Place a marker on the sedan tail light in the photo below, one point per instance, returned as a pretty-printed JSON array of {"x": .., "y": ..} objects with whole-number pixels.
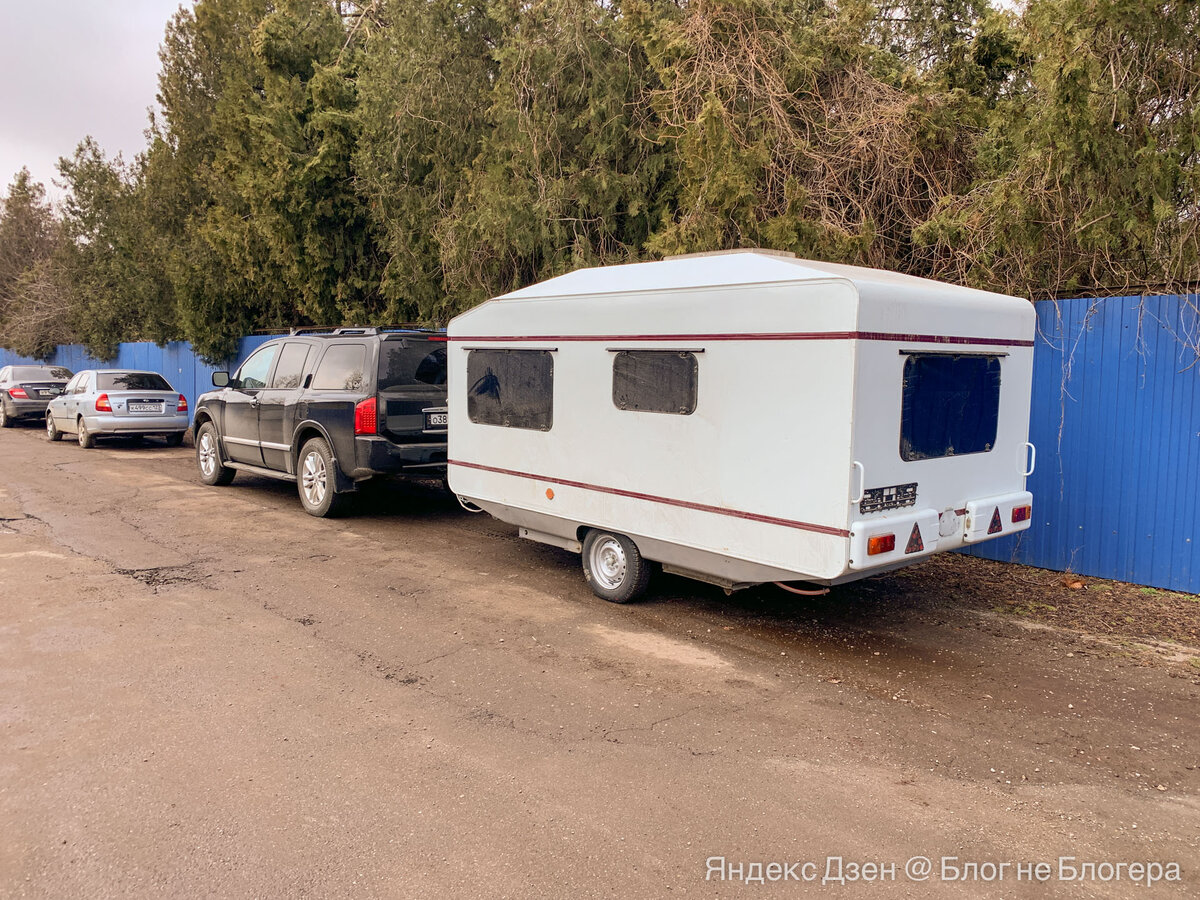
[
  {"x": 366, "y": 421},
  {"x": 18, "y": 393},
  {"x": 183, "y": 407},
  {"x": 102, "y": 404}
]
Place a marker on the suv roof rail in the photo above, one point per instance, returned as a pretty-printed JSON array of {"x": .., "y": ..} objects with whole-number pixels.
[{"x": 409, "y": 328}]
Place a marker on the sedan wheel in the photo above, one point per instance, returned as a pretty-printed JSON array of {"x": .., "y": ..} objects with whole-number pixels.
[
  {"x": 5, "y": 421},
  {"x": 52, "y": 431},
  {"x": 86, "y": 441}
]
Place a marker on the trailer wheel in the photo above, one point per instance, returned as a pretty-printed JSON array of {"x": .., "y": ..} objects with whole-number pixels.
[{"x": 613, "y": 567}]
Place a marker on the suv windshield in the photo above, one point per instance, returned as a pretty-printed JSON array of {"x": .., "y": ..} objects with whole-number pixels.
[
  {"x": 131, "y": 381},
  {"x": 410, "y": 361},
  {"x": 40, "y": 373}
]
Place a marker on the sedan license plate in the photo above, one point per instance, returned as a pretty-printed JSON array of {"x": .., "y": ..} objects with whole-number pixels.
[
  {"x": 146, "y": 407},
  {"x": 435, "y": 420},
  {"x": 47, "y": 393}
]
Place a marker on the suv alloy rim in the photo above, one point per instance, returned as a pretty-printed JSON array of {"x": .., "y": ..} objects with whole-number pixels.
[
  {"x": 208, "y": 454},
  {"x": 313, "y": 478}
]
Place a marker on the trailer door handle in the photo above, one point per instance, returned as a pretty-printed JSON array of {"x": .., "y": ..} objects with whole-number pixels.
[
  {"x": 1030, "y": 459},
  {"x": 862, "y": 481}
]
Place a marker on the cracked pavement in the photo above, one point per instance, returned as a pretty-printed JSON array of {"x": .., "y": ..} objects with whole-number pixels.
[{"x": 204, "y": 691}]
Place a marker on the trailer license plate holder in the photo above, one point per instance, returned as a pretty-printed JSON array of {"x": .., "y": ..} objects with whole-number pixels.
[{"x": 896, "y": 496}]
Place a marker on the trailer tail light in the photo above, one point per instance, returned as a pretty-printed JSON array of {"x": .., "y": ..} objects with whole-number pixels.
[
  {"x": 102, "y": 404},
  {"x": 18, "y": 393},
  {"x": 1021, "y": 513},
  {"x": 366, "y": 420},
  {"x": 183, "y": 407},
  {"x": 881, "y": 543}
]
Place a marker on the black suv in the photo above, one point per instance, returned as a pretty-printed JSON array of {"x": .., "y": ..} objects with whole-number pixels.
[{"x": 328, "y": 411}]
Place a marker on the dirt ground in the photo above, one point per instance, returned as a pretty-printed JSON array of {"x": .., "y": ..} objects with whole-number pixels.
[{"x": 203, "y": 691}]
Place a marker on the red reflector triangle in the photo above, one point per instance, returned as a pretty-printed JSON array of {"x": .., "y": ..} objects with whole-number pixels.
[
  {"x": 996, "y": 527},
  {"x": 915, "y": 544}
]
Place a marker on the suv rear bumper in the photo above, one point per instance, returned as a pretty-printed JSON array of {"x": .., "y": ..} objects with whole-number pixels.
[{"x": 379, "y": 456}]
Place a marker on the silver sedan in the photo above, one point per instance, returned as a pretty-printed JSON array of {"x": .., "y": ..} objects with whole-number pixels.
[{"x": 118, "y": 402}]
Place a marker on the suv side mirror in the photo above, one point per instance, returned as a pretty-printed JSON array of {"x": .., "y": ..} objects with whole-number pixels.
[{"x": 220, "y": 379}]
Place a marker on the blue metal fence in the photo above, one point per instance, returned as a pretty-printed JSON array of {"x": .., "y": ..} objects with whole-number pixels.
[
  {"x": 175, "y": 361},
  {"x": 1116, "y": 420}
]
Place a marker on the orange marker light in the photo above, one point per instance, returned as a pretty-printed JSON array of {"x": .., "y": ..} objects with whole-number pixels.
[
  {"x": 549, "y": 493},
  {"x": 881, "y": 543},
  {"x": 1021, "y": 513}
]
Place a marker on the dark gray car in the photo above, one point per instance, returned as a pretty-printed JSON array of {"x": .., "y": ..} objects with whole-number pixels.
[{"x": 25, "y": 391}]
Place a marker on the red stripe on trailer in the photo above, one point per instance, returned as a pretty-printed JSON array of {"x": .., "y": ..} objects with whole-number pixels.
[
  {"x": 651, "y": 498},
  {"x": 755, "y": 336}
]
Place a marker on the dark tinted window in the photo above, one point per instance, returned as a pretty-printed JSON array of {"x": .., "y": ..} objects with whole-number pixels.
[
  {"x": 131, "y": 381},
  {"x": 40, "y": 373},
  {"x": 291, "y": 366},
  {"x": 950, "y": 406},
  {"x": 660, "y": 381},
  {"x": 341, "y": 369},
  {"x": 411, "y": 361},
  {"x": 514, "y": 388}
]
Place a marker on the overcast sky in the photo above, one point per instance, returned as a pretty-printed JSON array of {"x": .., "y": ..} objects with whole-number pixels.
[{"x": 70, "y": 68}]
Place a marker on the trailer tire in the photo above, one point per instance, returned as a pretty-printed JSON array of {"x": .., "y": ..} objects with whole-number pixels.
[{"x": 613, "y": 566}]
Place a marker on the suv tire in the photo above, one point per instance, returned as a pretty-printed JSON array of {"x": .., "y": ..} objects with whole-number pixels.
[
  {"x": 316, "y": 479},
  {"x": 208, "y": 457}
]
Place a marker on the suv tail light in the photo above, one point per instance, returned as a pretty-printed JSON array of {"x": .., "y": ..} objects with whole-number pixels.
[
  {"x": 19, "y": 393},
  {"x": 102, "y": 404},
  {"x": 183, "y": 407},
  {"x": 366, "y": 420}
]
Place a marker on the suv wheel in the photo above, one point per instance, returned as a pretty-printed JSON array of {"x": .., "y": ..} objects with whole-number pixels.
[
  {"x": 613, "y": 567},
  {"x": 315, "y": 479},
  {"x": 208, "y": 457}
]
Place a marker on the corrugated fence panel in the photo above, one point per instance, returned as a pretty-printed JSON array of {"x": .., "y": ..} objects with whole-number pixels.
[
  {"x": 1115, "y": 417},
  {"x": 176, "y": 362},
  {"x": 1116, "y": 420}
]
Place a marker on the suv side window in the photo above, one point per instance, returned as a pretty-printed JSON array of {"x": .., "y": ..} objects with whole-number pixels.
[
  {"x": 342, "y": 368},
  {"x": 253, "y": 373},
  {"x": 291, "y": 366}
]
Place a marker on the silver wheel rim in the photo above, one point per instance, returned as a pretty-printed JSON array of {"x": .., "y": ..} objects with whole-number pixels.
[
  {"x": 50, "y": 426},
  {"x": 208, "y": 454},
  {"x": 608, "y": 562},
  {"x": 312, "y": 479},
  {"x": 82, "y": 433}
]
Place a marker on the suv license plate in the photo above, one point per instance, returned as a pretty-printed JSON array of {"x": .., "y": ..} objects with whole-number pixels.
[
  {"x": 146, "y": 407},
  {"x": 435, "y": 420}
]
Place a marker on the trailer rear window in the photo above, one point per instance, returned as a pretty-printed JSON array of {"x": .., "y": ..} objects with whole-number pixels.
[
  {"x": 951, "y": 405},
  {"x": 659, "y": 381},
  {"x": 512, "y": 388}
]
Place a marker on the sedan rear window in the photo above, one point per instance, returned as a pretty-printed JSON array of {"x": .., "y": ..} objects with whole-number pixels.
[
  {"x": 131, "y": 381},
  {"x": 40, "y": 373}
]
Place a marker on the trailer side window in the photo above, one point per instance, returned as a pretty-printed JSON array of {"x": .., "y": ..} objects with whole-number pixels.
[
  {"x": 660, "y": 381},
  {"x": 512, "y": 388},
  {"x": 951, "y": 405}
]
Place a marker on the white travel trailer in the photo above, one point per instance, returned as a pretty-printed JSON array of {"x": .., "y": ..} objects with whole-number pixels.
[{"x": 744, "y": 417}]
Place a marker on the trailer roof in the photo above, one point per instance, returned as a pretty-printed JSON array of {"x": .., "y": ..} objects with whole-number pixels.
[{"x": 727, "y": 269}]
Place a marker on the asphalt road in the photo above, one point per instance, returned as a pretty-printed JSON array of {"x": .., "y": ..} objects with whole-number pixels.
[{"x": 204, "y": 691}]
